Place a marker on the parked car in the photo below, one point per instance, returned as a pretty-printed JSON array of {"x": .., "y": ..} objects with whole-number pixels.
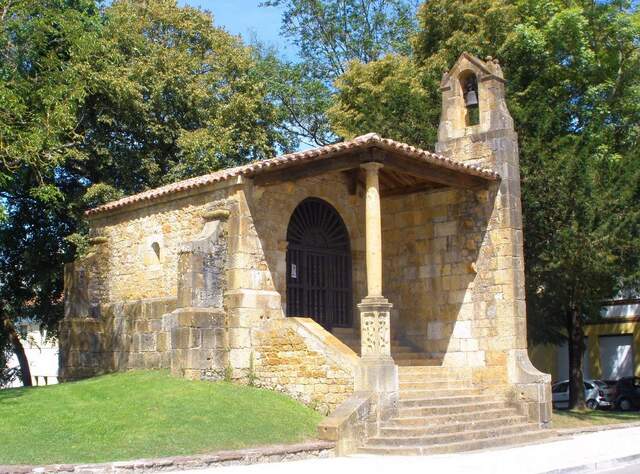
[
  {"x": 597, "y": 394},
  {"x": 627, "y": 393}
]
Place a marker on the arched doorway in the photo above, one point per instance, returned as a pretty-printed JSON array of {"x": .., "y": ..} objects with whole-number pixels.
[{"x": 319, "y": 265}]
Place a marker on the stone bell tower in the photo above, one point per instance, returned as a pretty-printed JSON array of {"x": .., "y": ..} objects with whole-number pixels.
[
  {"x": 476, "y": 127},
  {"x": 474, "y": 111}
]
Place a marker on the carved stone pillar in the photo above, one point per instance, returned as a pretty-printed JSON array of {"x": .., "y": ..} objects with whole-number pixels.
[{"x": 378, "y": 371}]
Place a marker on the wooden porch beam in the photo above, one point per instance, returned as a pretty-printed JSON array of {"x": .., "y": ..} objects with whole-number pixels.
[
  {"x": 428, "y": 172},
  {"x": 314, "y": 168},
  {"x": 410, "y": 189}
]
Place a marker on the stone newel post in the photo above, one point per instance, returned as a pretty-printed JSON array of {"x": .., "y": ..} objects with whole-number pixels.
[{"x": 379, "y": 372}]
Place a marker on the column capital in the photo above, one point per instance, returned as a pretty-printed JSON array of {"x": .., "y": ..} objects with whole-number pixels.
[{"x": 371, "y": 166}]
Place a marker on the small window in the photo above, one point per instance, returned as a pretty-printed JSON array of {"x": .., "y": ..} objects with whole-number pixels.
[{"x": 156, "y": 249}]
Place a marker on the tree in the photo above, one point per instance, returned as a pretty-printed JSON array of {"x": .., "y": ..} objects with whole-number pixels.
[
  {"x": 43, "y": 45},
  {"x": 329, "y": 35},
  {"x": 172, "y": 97},
  {"x": 389, "y": 97},
  {"x": 101, "y": 103},
  {"x": 572, "y": 71}
]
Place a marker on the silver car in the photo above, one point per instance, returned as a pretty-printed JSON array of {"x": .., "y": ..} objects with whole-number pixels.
[{"x": 596, "y": 393}]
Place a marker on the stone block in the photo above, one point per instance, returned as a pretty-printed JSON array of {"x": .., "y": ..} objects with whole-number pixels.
[
  {"x": 240, "y": 358},
  {"x": 462, "y": 330},
  {"x": 239, "y": 338}
]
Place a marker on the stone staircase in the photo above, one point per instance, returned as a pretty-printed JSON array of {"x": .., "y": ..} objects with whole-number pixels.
[
  {"x": 403, "y": 354},
  {"x": 441, "y": 412}
]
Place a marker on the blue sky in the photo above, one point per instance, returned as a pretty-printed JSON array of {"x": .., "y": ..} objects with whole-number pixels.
[{"x": 246, "y": 18}]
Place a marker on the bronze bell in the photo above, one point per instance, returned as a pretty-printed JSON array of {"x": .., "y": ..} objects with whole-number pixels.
[{"x": 471, "y": 98}]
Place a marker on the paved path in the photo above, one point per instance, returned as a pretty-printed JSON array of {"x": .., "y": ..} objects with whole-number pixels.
[{"x": 595, "y": 452}]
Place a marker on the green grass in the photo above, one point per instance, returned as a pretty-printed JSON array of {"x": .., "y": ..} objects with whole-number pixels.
[
  {"x": 143, "y": 414},
  {"x": 563, "y": 419}
]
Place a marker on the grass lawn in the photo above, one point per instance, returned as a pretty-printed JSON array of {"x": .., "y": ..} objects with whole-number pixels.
[
  {"x": 563, "y": 419},
  {"x": 143, "y": 414}
]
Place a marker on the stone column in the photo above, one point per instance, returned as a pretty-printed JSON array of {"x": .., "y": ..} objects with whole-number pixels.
[
  {"x": 378, "y": 371},
  {"x": 373, "y": 231}
]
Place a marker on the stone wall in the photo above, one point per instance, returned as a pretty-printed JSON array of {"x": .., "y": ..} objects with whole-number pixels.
[
  {"x": 298, "y": 357},
  {"x": 271, "y": 208},
  {"x": 138, "y": 250},
  {"x": 131, "y": 335},
  {"x": 493, "y": 144},
  {"x": 256, "y": 274},
  {"x": 432, "y": 243},
  {"x": 198, "y": 285}
]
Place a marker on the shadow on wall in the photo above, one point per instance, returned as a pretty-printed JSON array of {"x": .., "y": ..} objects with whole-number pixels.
[
  {"x": 433, "y": 246},
  {"x": 272, "y": 208}
]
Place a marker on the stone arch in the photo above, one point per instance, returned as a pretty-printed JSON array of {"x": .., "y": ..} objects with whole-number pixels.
[{"x": 319, "y": 266}]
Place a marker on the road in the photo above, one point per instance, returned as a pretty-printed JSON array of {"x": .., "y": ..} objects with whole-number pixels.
[{"x": 592, "y": 452}]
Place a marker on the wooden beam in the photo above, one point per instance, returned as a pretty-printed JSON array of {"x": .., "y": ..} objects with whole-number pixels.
[
  {"x": 429, "y": 172},
  {"x": 353, "y": 177},
  {"x": 416, "y": 188},
  {"x": 313, "y": 168}
]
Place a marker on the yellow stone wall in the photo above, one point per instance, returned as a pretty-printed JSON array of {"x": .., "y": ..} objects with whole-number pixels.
[
  {"x": 286, "y": 360},
  {"x": 545, "y": 356},
  {"x": 271, "y": 208},
  {"x": 124, "y": 270},
  {"x": 129, "y": 267},
  {"x": 439, "y": 273}
]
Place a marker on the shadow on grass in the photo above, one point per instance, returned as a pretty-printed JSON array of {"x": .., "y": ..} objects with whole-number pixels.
[
  {"x": 598, "y": 417},
  {"x": 9, "y": 394}
]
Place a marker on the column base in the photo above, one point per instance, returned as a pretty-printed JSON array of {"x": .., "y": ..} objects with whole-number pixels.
[
  {"x": 378, "y": 373},
  {"x": 375, "y": 329}
]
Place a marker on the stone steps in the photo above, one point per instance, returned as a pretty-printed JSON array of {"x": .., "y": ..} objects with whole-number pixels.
[
  {"x": 440, "y": 411},
  {"x": 455, "y": 427},
  {"x": 435, "y": 384},
  {"x": 451, "y": 409},
  {"x": 425, "y": 402},
  {"x": 446, "y": 438},
  {"x": 530, "y": 436},
  {"x": 439, "y": 420},
  {"x": 437, "y": 393}
]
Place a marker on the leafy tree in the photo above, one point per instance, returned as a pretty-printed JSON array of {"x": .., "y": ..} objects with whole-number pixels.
[
  {"x": 172, "y": 97},
  {"x": 572, "y": 69},
  {"x": 329, "y": 35},
  {"x": 388, "y": 96},
  {"x": 106, "y": 102},
  {"x": 43, "y": 45}
]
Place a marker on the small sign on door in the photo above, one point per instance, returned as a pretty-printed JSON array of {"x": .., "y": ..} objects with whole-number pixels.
[{"x": 294, "y": 271}]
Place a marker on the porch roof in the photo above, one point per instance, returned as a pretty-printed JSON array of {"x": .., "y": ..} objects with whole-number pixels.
[{"x": 407, "y": 169}]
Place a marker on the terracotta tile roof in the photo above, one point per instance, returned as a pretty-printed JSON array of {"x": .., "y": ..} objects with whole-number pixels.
[{"x": 362, "y": 142}]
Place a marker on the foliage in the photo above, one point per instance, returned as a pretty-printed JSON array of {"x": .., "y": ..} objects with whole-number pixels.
[
  {"x": 388, "y": 97},
  {"x": 573, "y": 70},
  {"x": 98, "y": 103},
  {"x": 44, "y": 47},
  {"x": 172, "y": 97},
  {"x": 329, "y": 34},
  {"x": 140, "y": 414}
]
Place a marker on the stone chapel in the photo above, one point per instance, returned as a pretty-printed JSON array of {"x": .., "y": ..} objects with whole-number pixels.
[{"x": 379, "y": 283}]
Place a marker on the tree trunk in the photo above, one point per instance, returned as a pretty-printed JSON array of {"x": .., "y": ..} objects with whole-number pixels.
[
  {"x": 576, "y": 354},
  {"x": 18, "y": 349}
]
